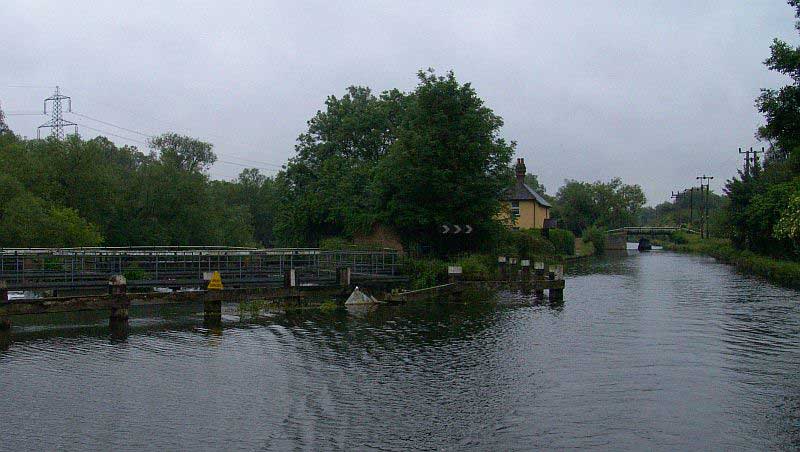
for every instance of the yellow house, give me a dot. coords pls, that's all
(523, 207)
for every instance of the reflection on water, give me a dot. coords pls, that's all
(652, 350)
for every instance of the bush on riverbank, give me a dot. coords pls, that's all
(584, 248)
(596, 237)
(424, 272)
(563, 241)
(478, 267)
(781, 272)
(526, 244)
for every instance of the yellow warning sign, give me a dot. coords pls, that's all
(216, 282)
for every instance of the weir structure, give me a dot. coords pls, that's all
(515, 275)
(47, 280)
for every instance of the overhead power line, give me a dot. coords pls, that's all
(151, 136)
(246, 166)
(30, 86)
(113, 134)
(257, 161)
(112, 125)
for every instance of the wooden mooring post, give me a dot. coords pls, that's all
(556, 273)
(501, 263)
(512, 269)
(538, 274)
(525, 265)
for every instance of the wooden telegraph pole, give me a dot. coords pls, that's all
(750, 157)
(704, 184)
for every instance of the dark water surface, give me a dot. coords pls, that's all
(650, 351)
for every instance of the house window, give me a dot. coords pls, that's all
(514, 210)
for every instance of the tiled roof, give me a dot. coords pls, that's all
(521, 192)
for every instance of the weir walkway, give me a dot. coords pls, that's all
(72, 270)
(47, 280)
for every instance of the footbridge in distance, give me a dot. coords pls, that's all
(617, 239)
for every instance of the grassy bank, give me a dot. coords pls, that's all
(781, 272)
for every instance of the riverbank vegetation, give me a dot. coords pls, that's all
(757, 221)
(783, 272)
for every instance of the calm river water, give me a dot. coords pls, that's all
(649, 351)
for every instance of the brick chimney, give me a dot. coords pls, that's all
(520, 169)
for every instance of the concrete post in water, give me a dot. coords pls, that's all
(454, 273)
(512, 268)
(212, 303)
(289, 278)
(343, 276)
(501, 264)
(556, 274)
(118, 289)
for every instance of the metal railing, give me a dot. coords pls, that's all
(36, 268)
(650, 230)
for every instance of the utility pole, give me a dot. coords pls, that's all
(690, 193)
(704, 183)
(755, 159)
(746, 160)
(57, 122)
(750, 156)
(676, 197)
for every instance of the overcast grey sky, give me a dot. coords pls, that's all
(653, 92)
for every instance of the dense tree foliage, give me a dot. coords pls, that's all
(327, 187)
(762, 196)
(608, 205)
(448, 165)
(79, 193)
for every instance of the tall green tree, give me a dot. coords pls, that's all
(449, 165)
(185, 153)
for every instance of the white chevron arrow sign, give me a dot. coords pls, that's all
(456, 229)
